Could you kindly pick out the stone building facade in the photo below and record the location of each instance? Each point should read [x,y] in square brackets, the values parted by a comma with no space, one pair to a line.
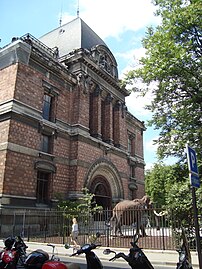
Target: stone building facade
[64,124]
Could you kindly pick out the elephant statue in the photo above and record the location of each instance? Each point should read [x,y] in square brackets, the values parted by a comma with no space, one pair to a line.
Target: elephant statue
[132,211]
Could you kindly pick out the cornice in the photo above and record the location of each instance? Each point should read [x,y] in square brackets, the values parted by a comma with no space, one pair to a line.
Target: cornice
[81,56]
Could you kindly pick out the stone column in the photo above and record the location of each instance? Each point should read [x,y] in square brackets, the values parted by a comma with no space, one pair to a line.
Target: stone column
[108,120]
[116,123]
[95,113]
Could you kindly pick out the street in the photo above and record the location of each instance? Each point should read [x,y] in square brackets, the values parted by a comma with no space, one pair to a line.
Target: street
[110,265]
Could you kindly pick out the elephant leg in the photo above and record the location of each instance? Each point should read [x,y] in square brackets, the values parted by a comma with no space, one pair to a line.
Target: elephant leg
[137,228]
[142,228]
[113,223]
[157,222]
[138,221]
[117,226]
[140,225]
[144,220]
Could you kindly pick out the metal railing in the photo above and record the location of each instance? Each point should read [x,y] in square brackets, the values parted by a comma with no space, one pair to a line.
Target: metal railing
[55,226]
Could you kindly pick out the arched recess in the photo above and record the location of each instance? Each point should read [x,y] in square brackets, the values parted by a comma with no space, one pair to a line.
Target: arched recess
[105,59]
[103,178]
[101,188]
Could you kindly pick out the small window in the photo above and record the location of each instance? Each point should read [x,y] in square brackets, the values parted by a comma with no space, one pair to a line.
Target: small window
[129,145]
[46,143]
[42,187]
[47,107]
[103,121]
[132,171]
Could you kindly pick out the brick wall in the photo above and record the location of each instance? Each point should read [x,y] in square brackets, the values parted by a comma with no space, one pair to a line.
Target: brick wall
[7,82]
[20,176]
[2,168]
[29,87]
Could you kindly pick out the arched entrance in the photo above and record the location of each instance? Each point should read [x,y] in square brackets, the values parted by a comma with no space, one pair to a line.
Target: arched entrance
[104,181]
[101,188]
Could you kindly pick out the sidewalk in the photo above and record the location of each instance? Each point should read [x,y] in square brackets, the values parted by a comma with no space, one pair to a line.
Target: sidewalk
[156,257]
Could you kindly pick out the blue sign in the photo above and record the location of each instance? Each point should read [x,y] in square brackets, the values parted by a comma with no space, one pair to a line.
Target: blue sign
[195,181]
[192,160]
[193,168]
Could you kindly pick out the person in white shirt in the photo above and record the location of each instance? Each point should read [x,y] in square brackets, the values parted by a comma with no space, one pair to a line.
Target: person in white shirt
[75,233]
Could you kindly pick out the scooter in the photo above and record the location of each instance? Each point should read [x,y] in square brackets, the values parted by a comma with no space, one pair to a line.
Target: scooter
[136,257]
[184,254]
[93,262]
[183,259]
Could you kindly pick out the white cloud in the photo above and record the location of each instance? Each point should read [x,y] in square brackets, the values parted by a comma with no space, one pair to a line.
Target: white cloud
[149,166]
[136,104]
[132,57]
[112,18]
[149,145]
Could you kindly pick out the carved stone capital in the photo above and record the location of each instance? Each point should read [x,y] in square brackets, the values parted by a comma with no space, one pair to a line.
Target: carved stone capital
[109,99]
[84,82]
[97,91]
[118,105]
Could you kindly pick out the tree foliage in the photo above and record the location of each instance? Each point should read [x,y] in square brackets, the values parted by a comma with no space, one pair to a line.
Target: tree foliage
[169,188]
[87,203]
[160,180]
[83,206]
[173,63]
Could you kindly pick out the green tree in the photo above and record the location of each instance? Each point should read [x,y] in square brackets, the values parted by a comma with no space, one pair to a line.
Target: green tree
[169,187]
[84,208]
[85,205]
[160,179]
[156,181]
[173,63]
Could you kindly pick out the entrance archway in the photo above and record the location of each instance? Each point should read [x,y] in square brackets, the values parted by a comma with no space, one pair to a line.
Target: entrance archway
[101,188]
[104,181]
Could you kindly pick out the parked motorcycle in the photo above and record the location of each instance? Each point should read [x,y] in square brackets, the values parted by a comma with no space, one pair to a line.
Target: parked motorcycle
[13,254]
[136,257]
[184,253]
[93,262]
[39,259]
[183,259]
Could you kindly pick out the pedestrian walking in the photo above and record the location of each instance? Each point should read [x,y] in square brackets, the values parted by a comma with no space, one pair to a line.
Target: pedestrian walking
[74,234]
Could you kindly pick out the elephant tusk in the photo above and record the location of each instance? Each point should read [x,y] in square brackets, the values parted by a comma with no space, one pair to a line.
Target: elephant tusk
[160,214]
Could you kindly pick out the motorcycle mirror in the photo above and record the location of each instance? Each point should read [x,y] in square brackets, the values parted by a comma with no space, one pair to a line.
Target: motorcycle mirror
[67,246]
[136,237]
[98,235]
[107,251]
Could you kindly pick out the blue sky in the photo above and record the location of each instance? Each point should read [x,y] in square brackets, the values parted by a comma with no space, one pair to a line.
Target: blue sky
[121,24]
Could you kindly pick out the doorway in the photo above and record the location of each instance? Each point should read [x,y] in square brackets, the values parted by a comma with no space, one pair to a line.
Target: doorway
[101,188]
